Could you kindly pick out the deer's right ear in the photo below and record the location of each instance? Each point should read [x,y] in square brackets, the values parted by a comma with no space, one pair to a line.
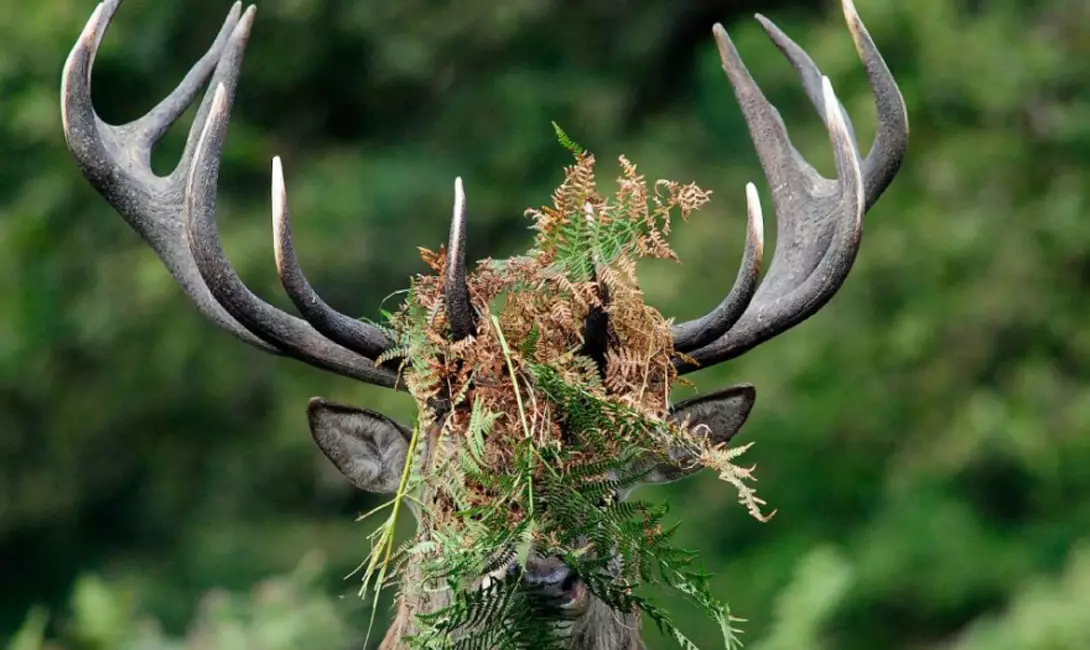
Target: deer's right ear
[368,448]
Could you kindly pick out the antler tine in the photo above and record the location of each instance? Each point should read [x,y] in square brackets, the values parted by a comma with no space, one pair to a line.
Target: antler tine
[292,335]
[117,162]
[878,168]
[819,221]
[459,310]
[353,334]
[890,144]
[116,159]
[891,137]
[693,334]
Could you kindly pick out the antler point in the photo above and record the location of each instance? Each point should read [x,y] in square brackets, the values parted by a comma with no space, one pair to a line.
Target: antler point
[855,24]
[219,97]
[279,196]
[755,216]
[831,103]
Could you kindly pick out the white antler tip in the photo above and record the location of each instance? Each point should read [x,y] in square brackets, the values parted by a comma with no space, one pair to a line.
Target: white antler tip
[92,26]
[849,10]
[279,199]
[827,90]
[247,19]
[833,115]
[219,99]
[756,216]
[459,199]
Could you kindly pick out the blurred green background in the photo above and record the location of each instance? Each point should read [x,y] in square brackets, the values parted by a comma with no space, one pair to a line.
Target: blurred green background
[924,437]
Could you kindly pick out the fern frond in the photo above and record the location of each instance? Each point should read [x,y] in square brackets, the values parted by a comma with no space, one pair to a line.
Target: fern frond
[536,446]
[565,141]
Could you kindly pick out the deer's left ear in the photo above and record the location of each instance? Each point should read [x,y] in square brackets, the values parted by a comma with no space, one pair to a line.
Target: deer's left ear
[717,416]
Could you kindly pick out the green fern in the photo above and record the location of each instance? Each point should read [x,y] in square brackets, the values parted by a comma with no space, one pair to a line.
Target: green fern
[567,142]
[561,499]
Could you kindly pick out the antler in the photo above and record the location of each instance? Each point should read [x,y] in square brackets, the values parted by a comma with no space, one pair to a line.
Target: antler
[819,221]
[460,314]
[175,214]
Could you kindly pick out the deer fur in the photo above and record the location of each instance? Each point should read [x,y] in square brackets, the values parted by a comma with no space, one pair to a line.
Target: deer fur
[370,449]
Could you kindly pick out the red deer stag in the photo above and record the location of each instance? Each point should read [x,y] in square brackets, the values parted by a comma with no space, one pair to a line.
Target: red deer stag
[819,224]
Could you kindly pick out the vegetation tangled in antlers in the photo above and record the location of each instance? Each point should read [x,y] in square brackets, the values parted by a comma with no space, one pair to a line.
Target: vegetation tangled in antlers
[546,418]
[542,381]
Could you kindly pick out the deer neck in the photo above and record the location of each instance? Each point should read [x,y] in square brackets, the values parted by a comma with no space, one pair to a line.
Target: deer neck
[601,628]
[410,603]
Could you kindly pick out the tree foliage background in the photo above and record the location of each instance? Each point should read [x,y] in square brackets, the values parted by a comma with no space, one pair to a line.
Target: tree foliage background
[924,437]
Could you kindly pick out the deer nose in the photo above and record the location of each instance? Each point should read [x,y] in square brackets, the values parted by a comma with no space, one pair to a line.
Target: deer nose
[557,581]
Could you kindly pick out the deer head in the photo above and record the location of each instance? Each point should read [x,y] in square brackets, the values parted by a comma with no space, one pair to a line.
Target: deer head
[819,223]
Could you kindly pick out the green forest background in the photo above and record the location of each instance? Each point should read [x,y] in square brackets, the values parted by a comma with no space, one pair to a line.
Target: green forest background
[925,438]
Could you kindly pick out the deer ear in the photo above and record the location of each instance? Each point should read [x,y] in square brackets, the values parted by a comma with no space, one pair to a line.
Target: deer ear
[717,416]
[368,448]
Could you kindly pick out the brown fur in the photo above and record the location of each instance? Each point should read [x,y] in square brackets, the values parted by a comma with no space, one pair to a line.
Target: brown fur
[350,436]
[600,628]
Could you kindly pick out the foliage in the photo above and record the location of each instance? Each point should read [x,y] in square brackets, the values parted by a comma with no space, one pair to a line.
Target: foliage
[1047,614]
[537,439]
[930,424]
[281,613]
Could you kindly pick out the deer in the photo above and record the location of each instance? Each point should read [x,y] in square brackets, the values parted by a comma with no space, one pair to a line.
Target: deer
[819,229]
